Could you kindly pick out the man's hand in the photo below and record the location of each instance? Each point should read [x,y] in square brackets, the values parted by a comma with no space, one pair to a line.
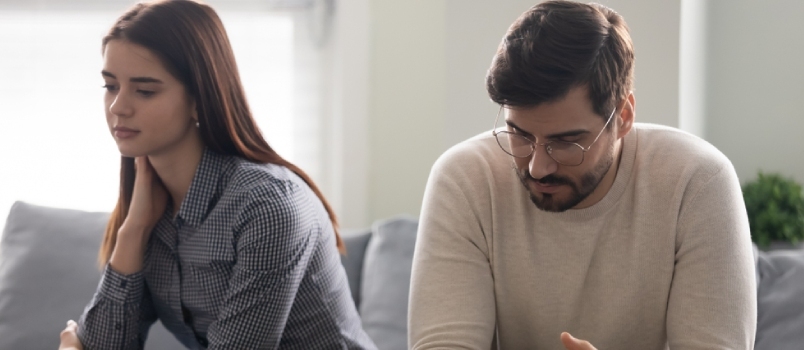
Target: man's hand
[69,338]
[575,344]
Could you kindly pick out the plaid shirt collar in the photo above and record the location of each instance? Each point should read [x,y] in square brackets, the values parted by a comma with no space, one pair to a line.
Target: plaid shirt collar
[205,190]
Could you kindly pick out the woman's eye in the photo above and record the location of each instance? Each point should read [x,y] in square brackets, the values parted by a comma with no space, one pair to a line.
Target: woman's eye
[146,93]
[110,87]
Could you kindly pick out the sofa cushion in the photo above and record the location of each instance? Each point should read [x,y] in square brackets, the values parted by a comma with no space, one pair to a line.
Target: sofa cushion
[780,300]
[355,242]
[386,282]
[48,273]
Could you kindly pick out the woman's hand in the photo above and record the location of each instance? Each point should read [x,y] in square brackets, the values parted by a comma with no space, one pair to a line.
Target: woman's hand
[69,337]
[148,203]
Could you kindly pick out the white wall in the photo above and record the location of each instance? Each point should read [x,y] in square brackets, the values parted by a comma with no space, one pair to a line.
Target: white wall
[428,61]
[755,85]
[655,30]
[407,102]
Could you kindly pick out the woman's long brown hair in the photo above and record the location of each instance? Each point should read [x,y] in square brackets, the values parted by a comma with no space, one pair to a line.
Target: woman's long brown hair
[190,39]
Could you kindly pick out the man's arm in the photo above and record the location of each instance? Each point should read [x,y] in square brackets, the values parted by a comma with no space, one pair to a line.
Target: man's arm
[712,303]
[452,289]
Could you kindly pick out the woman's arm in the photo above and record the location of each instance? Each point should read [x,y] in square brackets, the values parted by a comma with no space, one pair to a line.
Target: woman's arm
[119,315]
[121,312]
[274,247]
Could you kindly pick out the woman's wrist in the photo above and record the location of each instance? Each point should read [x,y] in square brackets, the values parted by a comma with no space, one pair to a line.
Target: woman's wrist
[129,250]
[133,232]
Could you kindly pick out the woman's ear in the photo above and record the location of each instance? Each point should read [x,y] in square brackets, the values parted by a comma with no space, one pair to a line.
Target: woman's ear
[194,112]
[627,115]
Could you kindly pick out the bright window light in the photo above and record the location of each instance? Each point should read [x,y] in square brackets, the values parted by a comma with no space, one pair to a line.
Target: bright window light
[55,149]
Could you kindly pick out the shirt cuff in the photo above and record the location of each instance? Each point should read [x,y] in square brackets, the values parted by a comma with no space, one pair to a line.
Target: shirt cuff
[121,288]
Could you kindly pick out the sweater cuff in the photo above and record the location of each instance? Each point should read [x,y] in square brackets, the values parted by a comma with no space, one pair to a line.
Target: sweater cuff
[121,288]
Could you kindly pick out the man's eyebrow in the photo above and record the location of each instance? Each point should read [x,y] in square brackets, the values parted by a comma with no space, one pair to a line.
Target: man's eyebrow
[517,128]
[134,79]
[569,133]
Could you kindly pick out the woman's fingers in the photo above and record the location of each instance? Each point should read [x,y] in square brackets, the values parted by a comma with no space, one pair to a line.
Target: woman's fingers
[69,337]
[148,199]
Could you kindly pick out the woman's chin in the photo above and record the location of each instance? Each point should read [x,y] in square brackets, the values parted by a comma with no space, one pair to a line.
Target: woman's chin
[131,153]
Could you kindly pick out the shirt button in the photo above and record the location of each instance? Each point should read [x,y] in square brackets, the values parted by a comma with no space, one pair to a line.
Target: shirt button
[118,326]
[203,341]
[123,284]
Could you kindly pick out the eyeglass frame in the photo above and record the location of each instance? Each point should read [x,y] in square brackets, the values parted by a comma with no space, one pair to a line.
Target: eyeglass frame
[534,144]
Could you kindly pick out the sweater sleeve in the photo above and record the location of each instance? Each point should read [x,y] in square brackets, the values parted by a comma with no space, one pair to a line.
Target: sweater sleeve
[712,302]
[119,315]
[452,294]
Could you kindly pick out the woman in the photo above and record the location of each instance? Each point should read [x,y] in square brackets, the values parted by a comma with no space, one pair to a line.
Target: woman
[214,234]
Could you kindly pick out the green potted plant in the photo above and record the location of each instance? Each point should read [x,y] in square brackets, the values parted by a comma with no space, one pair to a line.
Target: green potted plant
[775,206]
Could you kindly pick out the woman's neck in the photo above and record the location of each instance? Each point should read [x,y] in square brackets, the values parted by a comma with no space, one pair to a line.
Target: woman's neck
[176,168]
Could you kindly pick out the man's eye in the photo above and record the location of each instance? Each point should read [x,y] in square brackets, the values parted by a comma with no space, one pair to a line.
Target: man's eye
[527,136]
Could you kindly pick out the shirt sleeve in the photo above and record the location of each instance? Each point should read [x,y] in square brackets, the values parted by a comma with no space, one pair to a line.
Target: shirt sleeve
[452,297]
[119,314]
[712,302]
[275,242]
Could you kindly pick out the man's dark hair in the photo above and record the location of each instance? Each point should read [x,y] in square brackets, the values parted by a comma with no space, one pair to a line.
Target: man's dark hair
[558,45]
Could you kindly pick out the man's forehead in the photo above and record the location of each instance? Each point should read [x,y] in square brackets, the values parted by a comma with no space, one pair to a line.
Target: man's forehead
[551,120]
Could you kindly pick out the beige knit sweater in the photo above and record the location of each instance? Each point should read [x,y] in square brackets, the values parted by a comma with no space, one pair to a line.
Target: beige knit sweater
[663,260]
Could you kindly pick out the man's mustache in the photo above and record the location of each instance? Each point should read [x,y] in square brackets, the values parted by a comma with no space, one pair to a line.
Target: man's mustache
[547,180]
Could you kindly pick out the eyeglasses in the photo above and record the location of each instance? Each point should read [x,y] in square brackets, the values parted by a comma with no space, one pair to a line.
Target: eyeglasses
[563,152]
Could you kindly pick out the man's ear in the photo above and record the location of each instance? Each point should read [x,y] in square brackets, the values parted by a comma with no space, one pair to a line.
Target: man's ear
[626,116]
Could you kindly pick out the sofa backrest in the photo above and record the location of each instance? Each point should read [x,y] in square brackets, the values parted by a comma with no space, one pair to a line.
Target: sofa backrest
[48,273]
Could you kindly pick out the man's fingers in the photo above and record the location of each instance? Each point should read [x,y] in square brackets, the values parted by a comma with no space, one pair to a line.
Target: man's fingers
[571,343]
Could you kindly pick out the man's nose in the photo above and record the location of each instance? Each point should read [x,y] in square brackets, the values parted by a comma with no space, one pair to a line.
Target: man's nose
[541,164]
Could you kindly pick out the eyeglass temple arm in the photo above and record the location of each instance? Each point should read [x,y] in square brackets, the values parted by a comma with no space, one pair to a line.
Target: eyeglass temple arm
[601,130]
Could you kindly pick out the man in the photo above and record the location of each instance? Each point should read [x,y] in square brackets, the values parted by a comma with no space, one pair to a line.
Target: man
[571,221]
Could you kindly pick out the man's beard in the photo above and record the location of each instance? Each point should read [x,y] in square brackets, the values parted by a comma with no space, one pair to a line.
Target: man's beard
[579,191]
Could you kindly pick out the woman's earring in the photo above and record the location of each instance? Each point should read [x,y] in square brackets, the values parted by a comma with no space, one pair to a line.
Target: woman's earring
[197,124]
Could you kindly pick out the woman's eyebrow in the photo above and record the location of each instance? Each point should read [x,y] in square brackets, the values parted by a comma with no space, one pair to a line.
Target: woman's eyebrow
[133,79]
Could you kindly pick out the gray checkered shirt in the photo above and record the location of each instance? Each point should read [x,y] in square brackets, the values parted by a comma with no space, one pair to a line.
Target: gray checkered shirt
[249,262]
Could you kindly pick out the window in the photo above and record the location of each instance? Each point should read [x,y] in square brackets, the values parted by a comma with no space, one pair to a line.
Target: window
[55,149]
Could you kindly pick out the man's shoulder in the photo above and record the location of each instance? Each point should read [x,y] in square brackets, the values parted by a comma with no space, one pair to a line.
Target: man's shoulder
[480,150]
[675,147]
[676,158]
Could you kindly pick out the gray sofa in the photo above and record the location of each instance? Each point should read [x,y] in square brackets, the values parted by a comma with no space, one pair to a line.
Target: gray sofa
[48,274]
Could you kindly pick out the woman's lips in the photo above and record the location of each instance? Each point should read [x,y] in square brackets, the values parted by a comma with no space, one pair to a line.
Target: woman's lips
[124,133]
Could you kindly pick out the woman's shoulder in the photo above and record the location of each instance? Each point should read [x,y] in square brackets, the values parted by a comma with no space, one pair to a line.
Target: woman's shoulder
[249,188]
[259,181]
